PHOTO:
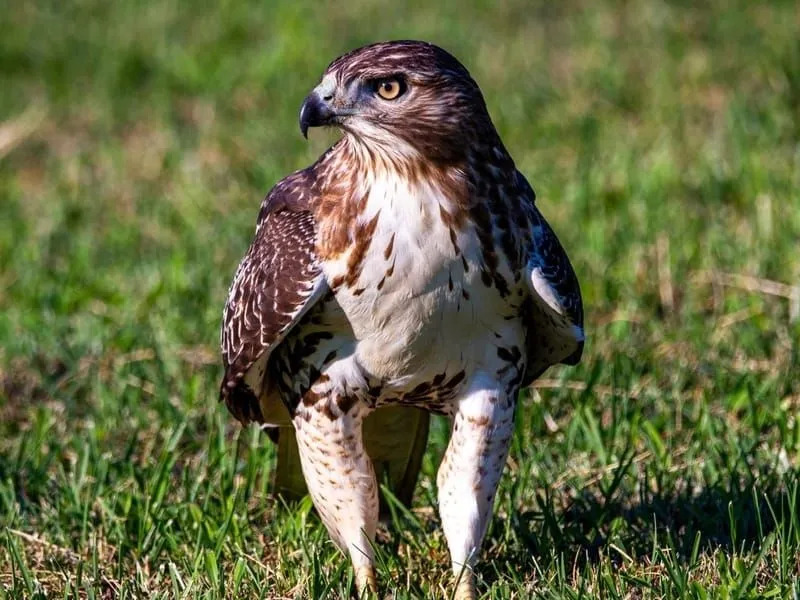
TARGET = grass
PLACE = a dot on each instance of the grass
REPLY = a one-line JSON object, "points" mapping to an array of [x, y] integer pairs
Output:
{"points": [[663, 140]]}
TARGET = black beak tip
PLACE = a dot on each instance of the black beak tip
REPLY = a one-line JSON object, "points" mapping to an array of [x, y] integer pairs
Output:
{"points": [[304, 122]]}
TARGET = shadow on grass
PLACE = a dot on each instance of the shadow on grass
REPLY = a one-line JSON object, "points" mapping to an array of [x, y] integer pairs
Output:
{"points": [[737, 514]]}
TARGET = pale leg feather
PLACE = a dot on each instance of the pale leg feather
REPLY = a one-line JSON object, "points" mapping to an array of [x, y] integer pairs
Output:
{"points": [[341, 482], [470, 471]]}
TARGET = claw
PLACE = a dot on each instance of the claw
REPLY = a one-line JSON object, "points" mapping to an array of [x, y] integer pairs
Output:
{"points": [[365, 581], [465, 587]]}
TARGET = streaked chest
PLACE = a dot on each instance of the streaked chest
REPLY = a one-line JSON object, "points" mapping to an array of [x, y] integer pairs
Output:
{"points": [[409, 282]]}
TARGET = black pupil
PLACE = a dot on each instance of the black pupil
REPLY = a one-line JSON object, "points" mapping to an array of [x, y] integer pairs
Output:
{"points": [[387, 86]]}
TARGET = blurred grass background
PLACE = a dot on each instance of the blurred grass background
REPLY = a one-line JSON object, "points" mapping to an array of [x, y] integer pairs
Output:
{"points": [[663, 140]]}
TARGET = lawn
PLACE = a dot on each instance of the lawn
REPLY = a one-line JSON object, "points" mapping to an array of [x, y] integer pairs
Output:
{"points": [[663, 140]]}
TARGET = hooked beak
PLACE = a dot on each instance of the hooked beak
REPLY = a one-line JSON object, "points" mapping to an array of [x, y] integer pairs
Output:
{"points": [[316, 111]]}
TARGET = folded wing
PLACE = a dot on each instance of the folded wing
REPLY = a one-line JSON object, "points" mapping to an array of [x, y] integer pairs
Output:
{"points": [[276, 283], [554, 315]]}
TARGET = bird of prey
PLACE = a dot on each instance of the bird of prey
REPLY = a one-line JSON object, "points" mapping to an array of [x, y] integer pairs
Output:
{"points": [[408, 267]]}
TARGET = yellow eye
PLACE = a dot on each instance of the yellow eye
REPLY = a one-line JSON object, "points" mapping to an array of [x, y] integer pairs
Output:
{"points": [[389, 89]]}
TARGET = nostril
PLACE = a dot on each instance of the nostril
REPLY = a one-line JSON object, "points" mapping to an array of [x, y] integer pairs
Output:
{"points": [[328, 98]]}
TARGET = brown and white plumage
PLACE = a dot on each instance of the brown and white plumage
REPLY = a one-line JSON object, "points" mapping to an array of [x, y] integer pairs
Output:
{"points": [[277, 282], [409, 266]]}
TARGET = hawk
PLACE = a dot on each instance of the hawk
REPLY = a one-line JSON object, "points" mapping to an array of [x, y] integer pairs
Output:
{"points": [[409, 267]]}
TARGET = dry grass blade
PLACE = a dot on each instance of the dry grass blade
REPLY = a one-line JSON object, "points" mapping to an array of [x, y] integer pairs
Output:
{"points": [[15, 131]]}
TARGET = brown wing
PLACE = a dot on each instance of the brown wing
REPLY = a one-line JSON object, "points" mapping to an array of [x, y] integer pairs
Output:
{"points": [[276, 283], [555, 311]]}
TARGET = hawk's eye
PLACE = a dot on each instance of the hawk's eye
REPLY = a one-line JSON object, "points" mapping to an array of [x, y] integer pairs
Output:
{"points": [[389, 89]]}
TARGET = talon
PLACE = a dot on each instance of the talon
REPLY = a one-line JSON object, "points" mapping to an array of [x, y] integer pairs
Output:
{"points": [[465, 587], [366, 583]]}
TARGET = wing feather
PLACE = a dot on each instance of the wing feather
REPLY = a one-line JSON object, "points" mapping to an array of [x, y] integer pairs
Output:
{"points": [[555, 311], [277, 282]]}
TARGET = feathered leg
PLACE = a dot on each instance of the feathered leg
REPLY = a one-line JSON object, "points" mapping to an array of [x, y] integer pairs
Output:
{"points": [[469, 474], [341, 480], [395, 437]]}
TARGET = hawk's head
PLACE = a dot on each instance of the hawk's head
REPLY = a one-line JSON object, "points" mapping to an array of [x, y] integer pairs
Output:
{"points": [[400, 98]]}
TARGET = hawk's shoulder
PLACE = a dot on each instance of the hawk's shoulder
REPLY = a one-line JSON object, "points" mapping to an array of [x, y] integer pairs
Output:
{"points": [[277, 282], [555, 321]]}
